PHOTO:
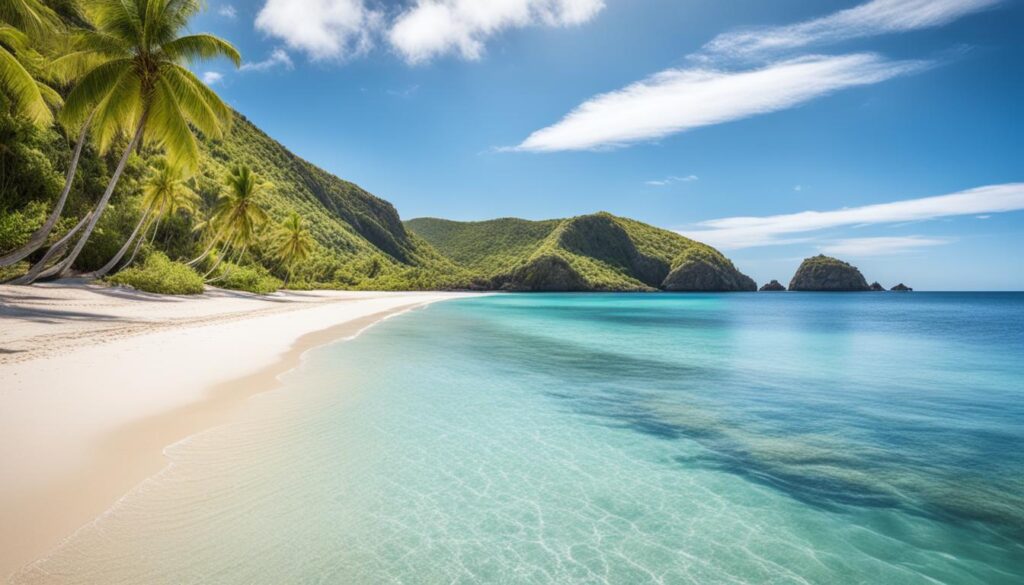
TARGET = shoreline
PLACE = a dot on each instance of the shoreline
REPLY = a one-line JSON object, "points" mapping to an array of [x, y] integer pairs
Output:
{"points": [[87, 416]]}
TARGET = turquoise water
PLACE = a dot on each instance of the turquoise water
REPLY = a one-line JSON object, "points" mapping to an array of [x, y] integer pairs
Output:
{"points": [[744, 438]]}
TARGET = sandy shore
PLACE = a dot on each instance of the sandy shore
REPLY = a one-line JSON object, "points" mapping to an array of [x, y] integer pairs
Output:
{"points": [[95, 382]]}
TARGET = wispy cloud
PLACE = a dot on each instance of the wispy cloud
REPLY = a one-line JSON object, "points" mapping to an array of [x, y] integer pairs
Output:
{"points": [[748, 232], [881, 246], [432, 28], [212, 77], [868, 19], [227, 11], [323, 29], [278, 58], [677, 100], [405, 93], [670, 180]]}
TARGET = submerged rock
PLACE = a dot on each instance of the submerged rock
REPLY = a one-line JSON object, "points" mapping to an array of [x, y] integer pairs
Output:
{"points": [[773, 286], [822, 273], [901, 288], [875, 287]]}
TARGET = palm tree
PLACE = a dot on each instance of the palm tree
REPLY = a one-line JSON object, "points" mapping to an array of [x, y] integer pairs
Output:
{"points": [[163, 195], [292, 243], [142, 90], [237, 215]]}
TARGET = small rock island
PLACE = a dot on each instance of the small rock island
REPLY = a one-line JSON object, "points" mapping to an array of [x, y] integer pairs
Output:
{"points": [[773, 286], [875, 287], [823, 273], [901, 288]]}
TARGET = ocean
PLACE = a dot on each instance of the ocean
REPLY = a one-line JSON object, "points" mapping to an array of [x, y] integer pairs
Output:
{"points": [[607, 438]]}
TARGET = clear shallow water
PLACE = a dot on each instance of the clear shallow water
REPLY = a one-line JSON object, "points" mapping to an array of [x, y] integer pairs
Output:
{"points": [[745, 438]]}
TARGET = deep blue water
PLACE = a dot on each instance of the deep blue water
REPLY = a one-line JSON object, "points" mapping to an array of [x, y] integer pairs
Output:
{"points": [[737, 438]]}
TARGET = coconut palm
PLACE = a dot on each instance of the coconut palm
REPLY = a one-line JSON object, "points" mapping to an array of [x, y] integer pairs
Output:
{"points": [[292, 243], [237, 215], [142, 90], [164, 194]]}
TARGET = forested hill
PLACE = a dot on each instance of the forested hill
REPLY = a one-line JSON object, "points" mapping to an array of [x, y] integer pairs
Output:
{"points": [[360, 241], [589, 252], [361, 238]]}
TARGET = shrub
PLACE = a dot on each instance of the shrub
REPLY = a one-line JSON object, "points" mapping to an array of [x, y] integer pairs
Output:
{"points": [[160, 275], [254, 279], [17, 226]]}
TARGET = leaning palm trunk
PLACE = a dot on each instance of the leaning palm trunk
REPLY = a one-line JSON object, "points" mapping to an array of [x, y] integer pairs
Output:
{"points": [[142, 238], [124, 249], [39, 269], [227, 271], [138, 246], [209, 249], [40, 236], [102, 205], [227, 247]]}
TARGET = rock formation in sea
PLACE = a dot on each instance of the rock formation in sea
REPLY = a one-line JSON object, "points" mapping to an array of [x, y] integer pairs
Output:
{"points": [[901, 288], [773, 286], [875, 287], [822, 273]]}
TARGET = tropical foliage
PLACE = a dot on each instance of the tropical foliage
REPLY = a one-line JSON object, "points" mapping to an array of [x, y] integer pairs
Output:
{"points": [[160, 275]]}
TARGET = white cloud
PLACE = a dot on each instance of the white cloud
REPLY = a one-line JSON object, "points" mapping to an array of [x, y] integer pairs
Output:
{"points": [[868, 19], [748, 232], [677, 100], [278, 58], [433, 28], [881, 246], [324, 29], [212, 77], [671, 180], [227, 11]]}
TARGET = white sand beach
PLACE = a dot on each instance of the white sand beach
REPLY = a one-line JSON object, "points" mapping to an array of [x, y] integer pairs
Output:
{"points": [[95, 382]]}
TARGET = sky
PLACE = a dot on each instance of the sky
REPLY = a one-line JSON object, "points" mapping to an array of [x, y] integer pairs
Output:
{"points": [[889, 133]]}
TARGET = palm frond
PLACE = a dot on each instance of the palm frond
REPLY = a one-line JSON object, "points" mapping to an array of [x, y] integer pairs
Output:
{"points": [[201, 47], [23, 89], [168, 126], [92, 89], [118, 112]]}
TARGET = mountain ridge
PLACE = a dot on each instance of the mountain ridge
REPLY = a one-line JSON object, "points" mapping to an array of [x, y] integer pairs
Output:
{"points": [[598, 251]]}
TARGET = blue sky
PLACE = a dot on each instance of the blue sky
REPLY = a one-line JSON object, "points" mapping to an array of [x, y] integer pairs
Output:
{"points": [[899, 120]]}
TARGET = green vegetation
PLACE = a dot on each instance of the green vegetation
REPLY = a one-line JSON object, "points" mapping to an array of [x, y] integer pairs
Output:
{"points": [[160, 275], [254, 279], [589, 252]]}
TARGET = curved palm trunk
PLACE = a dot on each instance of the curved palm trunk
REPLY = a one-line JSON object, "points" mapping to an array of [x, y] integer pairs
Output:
{"points": [[142, 238], [40, 236], [38, 270], [124, 249], [135, 252], [208, 250], [102, 205], [220, 259]]}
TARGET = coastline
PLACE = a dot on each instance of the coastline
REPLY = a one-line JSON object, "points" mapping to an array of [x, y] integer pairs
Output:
{"points": [[96, 382]]}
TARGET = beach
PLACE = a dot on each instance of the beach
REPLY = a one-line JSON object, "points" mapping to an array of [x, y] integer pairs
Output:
{"points": [[95, 382]]}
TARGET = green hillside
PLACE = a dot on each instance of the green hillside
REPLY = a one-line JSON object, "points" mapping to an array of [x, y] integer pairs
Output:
{"points": [[360, 241], [589, 252]]}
